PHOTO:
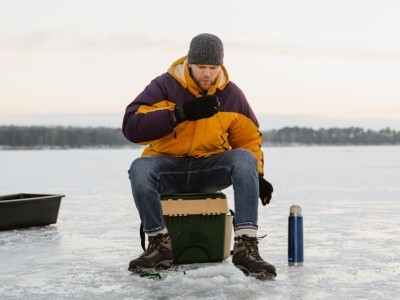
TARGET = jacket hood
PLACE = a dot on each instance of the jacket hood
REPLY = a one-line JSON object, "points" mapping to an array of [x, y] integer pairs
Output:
{"points": [[180, 71]]}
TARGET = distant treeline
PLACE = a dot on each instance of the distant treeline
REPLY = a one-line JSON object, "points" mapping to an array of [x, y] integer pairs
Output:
{"points": [[60, 137], [12, 137], [331, 136]]}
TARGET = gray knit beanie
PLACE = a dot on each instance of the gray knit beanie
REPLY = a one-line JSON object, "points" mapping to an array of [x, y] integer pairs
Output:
{"points": [[206, 49]]}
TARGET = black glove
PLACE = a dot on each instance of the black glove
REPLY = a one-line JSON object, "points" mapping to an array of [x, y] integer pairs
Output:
{"points": [[266, 190], [199, 108]]}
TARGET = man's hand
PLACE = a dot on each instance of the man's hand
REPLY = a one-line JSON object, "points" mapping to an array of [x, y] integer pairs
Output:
{"points": [[199, 108], [265, 190]]}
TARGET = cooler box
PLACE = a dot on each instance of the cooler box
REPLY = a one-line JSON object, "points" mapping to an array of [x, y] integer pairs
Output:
{"points": [[199, 227], [26, 210]]}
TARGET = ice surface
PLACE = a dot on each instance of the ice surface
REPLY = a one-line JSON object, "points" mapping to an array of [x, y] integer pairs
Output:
{"points": [[350, 204]]}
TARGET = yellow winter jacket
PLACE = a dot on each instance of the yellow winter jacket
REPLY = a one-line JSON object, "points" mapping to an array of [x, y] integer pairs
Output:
{"points": [[149, 118]]}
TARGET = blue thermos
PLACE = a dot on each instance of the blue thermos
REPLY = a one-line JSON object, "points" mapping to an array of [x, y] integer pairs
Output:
{"points": [[295, 237]]}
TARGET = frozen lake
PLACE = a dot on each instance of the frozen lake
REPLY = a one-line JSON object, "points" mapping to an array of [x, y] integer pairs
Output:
{"points": [[350, 198]]}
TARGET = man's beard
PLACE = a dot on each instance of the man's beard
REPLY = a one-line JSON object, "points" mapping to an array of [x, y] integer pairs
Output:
{"points": [[203, 87]]}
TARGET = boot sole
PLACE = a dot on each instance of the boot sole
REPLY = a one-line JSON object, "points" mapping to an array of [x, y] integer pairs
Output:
{"points": [[163, 265], [262, 275]]}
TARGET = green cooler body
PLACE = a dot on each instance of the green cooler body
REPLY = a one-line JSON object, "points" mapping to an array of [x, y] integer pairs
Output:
{"points": [[199, 227]]}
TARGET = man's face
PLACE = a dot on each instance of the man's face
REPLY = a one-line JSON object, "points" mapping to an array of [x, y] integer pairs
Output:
{"points": [[204, 75]]}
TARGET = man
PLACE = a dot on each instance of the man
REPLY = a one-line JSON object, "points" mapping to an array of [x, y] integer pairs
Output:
{"points": [[202, 136]]}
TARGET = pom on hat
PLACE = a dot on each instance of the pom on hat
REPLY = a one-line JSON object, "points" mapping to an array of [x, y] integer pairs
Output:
{"points": [[206, 49]]}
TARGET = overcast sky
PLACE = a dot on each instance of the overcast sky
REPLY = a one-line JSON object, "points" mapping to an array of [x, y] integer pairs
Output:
{"points": [[310, 59]]}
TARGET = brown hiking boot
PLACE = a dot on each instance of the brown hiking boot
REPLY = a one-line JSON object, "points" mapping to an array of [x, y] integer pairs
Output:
{"points": [[158, 255], [247, 258]]}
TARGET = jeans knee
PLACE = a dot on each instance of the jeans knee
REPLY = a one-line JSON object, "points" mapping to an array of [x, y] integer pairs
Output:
{"points": [[245, 159], [139, 170]]}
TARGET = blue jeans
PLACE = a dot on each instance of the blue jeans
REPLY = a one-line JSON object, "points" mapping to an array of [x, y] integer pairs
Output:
{"points": [[152, 176]]}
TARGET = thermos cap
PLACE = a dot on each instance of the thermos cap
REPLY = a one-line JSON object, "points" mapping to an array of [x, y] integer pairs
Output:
{"points": [[295, 210]]}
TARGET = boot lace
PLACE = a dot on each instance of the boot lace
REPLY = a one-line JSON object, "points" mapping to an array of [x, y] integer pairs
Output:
{"points": [[155, 243], [251, 245]]}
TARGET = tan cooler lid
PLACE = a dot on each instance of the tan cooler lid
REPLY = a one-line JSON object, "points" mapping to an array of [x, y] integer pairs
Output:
{"points": [[194, 204]]}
